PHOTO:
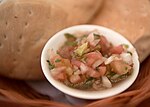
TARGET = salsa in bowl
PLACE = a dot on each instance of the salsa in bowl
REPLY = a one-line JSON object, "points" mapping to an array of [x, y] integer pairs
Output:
{"points": [[89, 62]]}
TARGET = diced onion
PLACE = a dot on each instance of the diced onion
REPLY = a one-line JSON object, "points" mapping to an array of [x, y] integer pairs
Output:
{"points": [[97, 63], [110, 59], [94, 42], [106, 82], [90, 37], [83, 68], [126, 57]]}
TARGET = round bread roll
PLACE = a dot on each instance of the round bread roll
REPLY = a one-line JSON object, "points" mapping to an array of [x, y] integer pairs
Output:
{"points": [[131, 18], [26, 25]]}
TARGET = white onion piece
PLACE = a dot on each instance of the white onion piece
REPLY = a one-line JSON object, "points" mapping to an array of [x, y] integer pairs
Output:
{"points": [[97, 63], [83, 68], [90, 37], [112, 58], [106, 82], [94, 42], [109, 60], [127, 58]]}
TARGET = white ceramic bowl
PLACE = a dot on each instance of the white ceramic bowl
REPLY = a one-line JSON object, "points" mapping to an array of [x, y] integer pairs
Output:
{"points": [[58, 39]]}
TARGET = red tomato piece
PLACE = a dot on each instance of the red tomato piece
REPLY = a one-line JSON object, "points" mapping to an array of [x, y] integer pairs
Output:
{"points": [[76, 62], [59, 73], [75, 79], [102, 70], [92, 73], [117, 49], [92, 57], [104, 45], [66, 51]]}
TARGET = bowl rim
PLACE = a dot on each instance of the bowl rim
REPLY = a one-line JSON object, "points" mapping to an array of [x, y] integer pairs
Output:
{"points": [[83, 94]]}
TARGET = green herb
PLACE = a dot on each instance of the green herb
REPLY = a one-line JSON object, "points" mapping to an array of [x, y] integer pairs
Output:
{"points": [[125, 45], [57, 52], [51, 66], [83, 36], [126, 68], [110, 74], [57, 60], [129, 52], [119, 78], [77, 86], [88, 84], [97, 68], [83, 85], [71, 43], [70, 36], [89, 79], [96, 36]]}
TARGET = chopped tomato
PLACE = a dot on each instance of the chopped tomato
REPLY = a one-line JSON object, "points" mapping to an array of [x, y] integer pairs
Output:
{"points": [[58, 73], [76, 62], [102, 70], [120, 67], [55, 62], [61, 77], [117, 49], [93, 73], [58, 61], [104, 45], [92, 57], [75, 79], [66, 51]]}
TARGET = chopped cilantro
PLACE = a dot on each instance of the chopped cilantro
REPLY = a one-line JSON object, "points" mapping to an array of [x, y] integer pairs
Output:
{"points": [[69, 36], [71, 43], [96, 36], [51, 66], [110, 74], [57, 60], [126, 68], [125, 45], [129, 52]]}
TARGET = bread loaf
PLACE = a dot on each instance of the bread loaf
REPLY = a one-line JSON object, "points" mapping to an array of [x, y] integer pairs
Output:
{"points": [[26, 25], [131, 18]]}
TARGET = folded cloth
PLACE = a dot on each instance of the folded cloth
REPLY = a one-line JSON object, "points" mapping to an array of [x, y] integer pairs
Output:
{"points": [[45, 88]]}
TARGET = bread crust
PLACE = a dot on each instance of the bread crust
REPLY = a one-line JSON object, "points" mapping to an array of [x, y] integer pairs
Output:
{"points": [[25, 27]]}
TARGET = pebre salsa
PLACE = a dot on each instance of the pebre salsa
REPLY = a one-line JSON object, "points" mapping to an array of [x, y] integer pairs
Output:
{"points": [[90, 62]]}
